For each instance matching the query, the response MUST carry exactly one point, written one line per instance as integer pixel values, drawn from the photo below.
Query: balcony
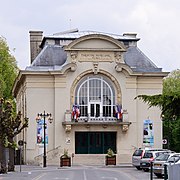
(89, 121)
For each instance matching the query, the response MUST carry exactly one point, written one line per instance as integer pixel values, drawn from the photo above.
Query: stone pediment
(96, 48)
(96, 42)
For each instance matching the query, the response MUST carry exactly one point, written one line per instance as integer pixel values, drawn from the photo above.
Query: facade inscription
(105, 57)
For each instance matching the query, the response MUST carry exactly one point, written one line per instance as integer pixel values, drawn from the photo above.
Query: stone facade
(54, 89)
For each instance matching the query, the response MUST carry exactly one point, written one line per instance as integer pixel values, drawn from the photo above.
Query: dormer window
(57, 42)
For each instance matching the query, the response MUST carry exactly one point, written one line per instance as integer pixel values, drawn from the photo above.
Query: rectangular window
(57, 42)
(83, 111)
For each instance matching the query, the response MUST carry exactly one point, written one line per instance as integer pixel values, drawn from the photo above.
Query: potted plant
(110, 157)
(65, 159)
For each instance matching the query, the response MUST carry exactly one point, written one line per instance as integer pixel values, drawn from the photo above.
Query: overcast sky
(156, 22)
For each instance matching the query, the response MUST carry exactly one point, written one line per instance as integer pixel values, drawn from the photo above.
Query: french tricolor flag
(119, 111)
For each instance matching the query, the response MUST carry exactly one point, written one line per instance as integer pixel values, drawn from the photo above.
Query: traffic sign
(164, 141)
(20, 142)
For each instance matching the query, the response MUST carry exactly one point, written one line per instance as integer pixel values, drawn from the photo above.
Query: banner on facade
(40, 132)
(148, 133)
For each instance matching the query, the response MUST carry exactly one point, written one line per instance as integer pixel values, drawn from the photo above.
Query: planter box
(110, 160)
(65, 161)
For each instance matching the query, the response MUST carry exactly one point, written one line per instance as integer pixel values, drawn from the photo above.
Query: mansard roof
(50, 55)
(75, 34)
(55, 55)
(138, 61)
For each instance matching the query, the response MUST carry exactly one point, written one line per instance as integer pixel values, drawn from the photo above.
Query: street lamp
(50, 119)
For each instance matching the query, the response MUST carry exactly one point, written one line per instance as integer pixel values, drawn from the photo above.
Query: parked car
(149, 156)
(175, 159)
(136, 157)
(158, 163)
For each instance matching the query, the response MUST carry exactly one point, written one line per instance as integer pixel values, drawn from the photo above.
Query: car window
(148, 155)
(162, 157)
(174, 159)
(138, 152)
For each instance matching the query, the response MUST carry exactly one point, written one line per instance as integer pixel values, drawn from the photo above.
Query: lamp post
(168, 127)
(50, 119)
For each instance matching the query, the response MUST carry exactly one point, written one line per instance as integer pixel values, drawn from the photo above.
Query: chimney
(35, 41)
(132, 39)
(130, 35)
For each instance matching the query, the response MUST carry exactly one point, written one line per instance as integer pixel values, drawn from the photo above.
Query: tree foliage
(169, 103)
(8, 70)
(11, 123)
(169, 100)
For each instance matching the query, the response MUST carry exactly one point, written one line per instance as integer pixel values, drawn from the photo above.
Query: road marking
(84, 174)
(40, 176)
(109, 178)
(125, 174)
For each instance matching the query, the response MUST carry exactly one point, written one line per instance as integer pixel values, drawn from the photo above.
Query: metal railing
(98, 118)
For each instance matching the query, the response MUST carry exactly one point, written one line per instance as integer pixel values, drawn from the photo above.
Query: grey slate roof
(138, 61)
(78, 34)
(51, 55)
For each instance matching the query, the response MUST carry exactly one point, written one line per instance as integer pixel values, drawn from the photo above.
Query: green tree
(168, 102)
(11, 123)
(8, 70)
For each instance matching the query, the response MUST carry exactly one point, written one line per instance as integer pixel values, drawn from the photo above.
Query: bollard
(151, 170)
(165, 172)
(72, 157)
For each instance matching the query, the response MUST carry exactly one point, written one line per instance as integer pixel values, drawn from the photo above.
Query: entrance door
(94, 142)
(95, 110)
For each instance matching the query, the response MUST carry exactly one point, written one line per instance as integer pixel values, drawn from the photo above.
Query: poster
(40, 132)
(148, 133)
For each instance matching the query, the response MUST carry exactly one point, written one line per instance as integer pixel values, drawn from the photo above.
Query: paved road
(76, 173)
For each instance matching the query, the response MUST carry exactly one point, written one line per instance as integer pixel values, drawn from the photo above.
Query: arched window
(95, 96)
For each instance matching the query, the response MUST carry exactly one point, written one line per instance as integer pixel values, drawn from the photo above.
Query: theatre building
(88, 81)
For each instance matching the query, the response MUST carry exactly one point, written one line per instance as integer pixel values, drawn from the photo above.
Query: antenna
(69, 23)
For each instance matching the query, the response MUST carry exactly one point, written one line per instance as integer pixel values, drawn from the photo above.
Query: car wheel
(146, 170)
(158, 175)
(138, 168)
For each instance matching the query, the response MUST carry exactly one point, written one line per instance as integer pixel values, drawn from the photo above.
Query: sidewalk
(29, 168)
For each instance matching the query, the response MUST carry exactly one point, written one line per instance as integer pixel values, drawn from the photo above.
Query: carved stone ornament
(118, 57)
(68, 128)
(73, 66)
(118, 68)
(95, 64)
(74, 56)
(125, 127)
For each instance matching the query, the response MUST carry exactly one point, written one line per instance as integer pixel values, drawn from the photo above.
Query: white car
(149, 157)
(138, 155)
(175, 159)
(158, 163)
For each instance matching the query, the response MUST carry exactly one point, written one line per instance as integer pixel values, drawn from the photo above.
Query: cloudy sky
(155, 21)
